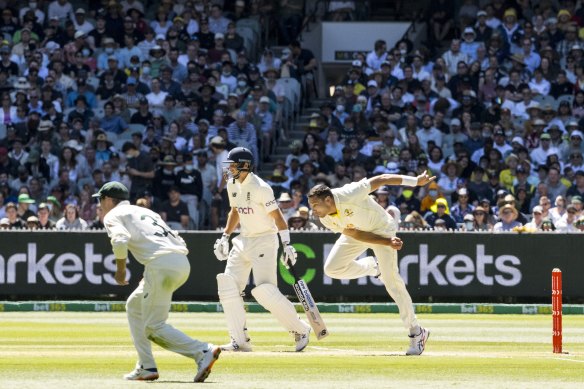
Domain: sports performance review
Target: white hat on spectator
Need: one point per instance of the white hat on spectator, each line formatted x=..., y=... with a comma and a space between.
x=265, y=99
x=537, y=209
x=576, y=47
x=469, y=30
x=462, y=192
x=372, y=83
x=4, y=221
x=361, y=98
x=455, y=122
x=518, y=139
x=481, y=13
x=533, y=105
x=74, y=144
x=79, y=34
x=356, y=63
x=392, y=168
x=538, y=122
x=80, y=11
x=108, y=41
x=45, y=125
x=551, y=21
x=52, y=46
x=160, y=37
x=572, y=123
x=217, y=140
x=577, y=133
x=240, y=3
x=219, y=35
x=469, y=217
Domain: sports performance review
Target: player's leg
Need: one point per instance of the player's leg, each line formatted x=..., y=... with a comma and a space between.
x=341, y=263
x=230, y=285
x=145, y=369
x=396, y=287
x=263, y=253
x=162, y=277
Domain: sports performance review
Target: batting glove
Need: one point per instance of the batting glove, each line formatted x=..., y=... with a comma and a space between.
x=290, y=255
x=221, y=248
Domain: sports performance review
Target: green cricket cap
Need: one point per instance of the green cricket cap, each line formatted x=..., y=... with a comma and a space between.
x=24, y=198
x=115, y=190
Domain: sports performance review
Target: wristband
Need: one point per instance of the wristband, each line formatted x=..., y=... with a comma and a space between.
x=409, y=181
x=284, y=236
x=225, y=235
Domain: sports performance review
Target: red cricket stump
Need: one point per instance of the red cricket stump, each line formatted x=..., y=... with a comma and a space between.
x=557, y=310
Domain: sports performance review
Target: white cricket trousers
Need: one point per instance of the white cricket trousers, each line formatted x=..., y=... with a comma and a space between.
x=257, y=254
x=341, y=264
x=148, y=306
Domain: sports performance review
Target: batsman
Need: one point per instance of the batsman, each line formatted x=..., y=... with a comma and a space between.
x=254, y=208
x=363, y=225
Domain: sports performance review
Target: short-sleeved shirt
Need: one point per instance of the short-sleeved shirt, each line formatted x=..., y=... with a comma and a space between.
x=356, y=209
x=254, y=200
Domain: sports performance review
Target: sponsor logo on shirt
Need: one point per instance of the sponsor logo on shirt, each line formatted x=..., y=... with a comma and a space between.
x=272, y=202
x=234, y=194
x=248, y=196
x=245, y=210
x=349, y=212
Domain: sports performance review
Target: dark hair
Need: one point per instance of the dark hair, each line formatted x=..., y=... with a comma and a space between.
x=128, y=146
x=320, y=191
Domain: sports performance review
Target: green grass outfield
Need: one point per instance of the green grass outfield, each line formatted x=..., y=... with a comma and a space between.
x=93, y=350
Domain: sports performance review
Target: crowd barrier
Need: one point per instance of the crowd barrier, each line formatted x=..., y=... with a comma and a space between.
x=467, y=266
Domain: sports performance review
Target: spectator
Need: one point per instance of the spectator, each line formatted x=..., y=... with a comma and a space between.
x=439, y=211
x=481, y=221
x=508, y=215
x=175, y=212
x=71, y=219
x=15, y=222
x=567, y=223
x=139, y=168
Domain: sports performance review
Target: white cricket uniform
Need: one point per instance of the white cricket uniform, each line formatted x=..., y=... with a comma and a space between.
x=357, y=210
x=166, y=267
x=256, y=248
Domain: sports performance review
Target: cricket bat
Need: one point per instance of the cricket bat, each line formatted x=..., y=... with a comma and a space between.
x=309, y=305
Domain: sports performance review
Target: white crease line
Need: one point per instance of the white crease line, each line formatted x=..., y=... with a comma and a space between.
x=331, y=349
x=567, y=359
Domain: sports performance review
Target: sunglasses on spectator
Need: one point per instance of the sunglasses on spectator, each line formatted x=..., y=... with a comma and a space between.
x=546, y=203
x=479, y=213
x=441, y=206
x=507, y=212
x=575, y=156
x=571, y=212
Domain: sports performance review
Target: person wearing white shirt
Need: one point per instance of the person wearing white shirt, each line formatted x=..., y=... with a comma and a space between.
x=166, y=267
x=428, y=133
x=156, y=96
x=363, y=225
x=255, y=210
x=453, y=56
x=334, y=147
x=61, y=9
x=32, y=5
x=538, y=84
x=418, y=69
x=376, y=57
x=80, y=23
x=539, y=155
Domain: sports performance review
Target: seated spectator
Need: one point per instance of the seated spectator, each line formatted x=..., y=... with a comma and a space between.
x=43, y=214
x=547, y=225
x=508, y=215
x=414, y=221
x=14, y=221
x=537, y=219
x=439, y=211
x=4, y=223
x=480, y=220
x=71, y=220
x=174, y=211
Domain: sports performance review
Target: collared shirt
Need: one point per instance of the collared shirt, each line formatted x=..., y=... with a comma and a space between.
x=253, y=199
x=356, y=209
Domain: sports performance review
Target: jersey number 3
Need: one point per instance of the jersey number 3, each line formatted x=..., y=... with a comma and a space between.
x=164, y=232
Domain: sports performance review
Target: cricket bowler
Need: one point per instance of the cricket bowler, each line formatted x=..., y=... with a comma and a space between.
x=363, y=225
x=166, y=267
x=254, y=208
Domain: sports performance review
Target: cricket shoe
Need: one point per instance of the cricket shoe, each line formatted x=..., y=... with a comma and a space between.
x=207, y=362
x=301, y=340
x=418, y=342
x=139, y=374
x=234, y=346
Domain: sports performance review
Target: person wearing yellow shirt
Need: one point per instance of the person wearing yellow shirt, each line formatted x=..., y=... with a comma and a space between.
x=508, y=176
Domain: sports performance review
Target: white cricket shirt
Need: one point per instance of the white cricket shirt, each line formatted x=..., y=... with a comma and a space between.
x=141, y=231
x=355, y=209
x=254, y=200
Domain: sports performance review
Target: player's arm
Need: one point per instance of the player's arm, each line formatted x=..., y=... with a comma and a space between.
x=372, y=238
x=399, y=179
x=278, y=217
x=120, y=237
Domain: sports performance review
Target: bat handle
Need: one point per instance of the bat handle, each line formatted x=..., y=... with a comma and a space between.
x=293, y=272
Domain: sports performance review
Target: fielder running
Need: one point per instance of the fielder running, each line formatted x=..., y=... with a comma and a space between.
x=254, y=208
x=364, y=224
x=166, y=267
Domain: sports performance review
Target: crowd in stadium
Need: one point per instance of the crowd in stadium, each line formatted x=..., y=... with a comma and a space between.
x=492, y=104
